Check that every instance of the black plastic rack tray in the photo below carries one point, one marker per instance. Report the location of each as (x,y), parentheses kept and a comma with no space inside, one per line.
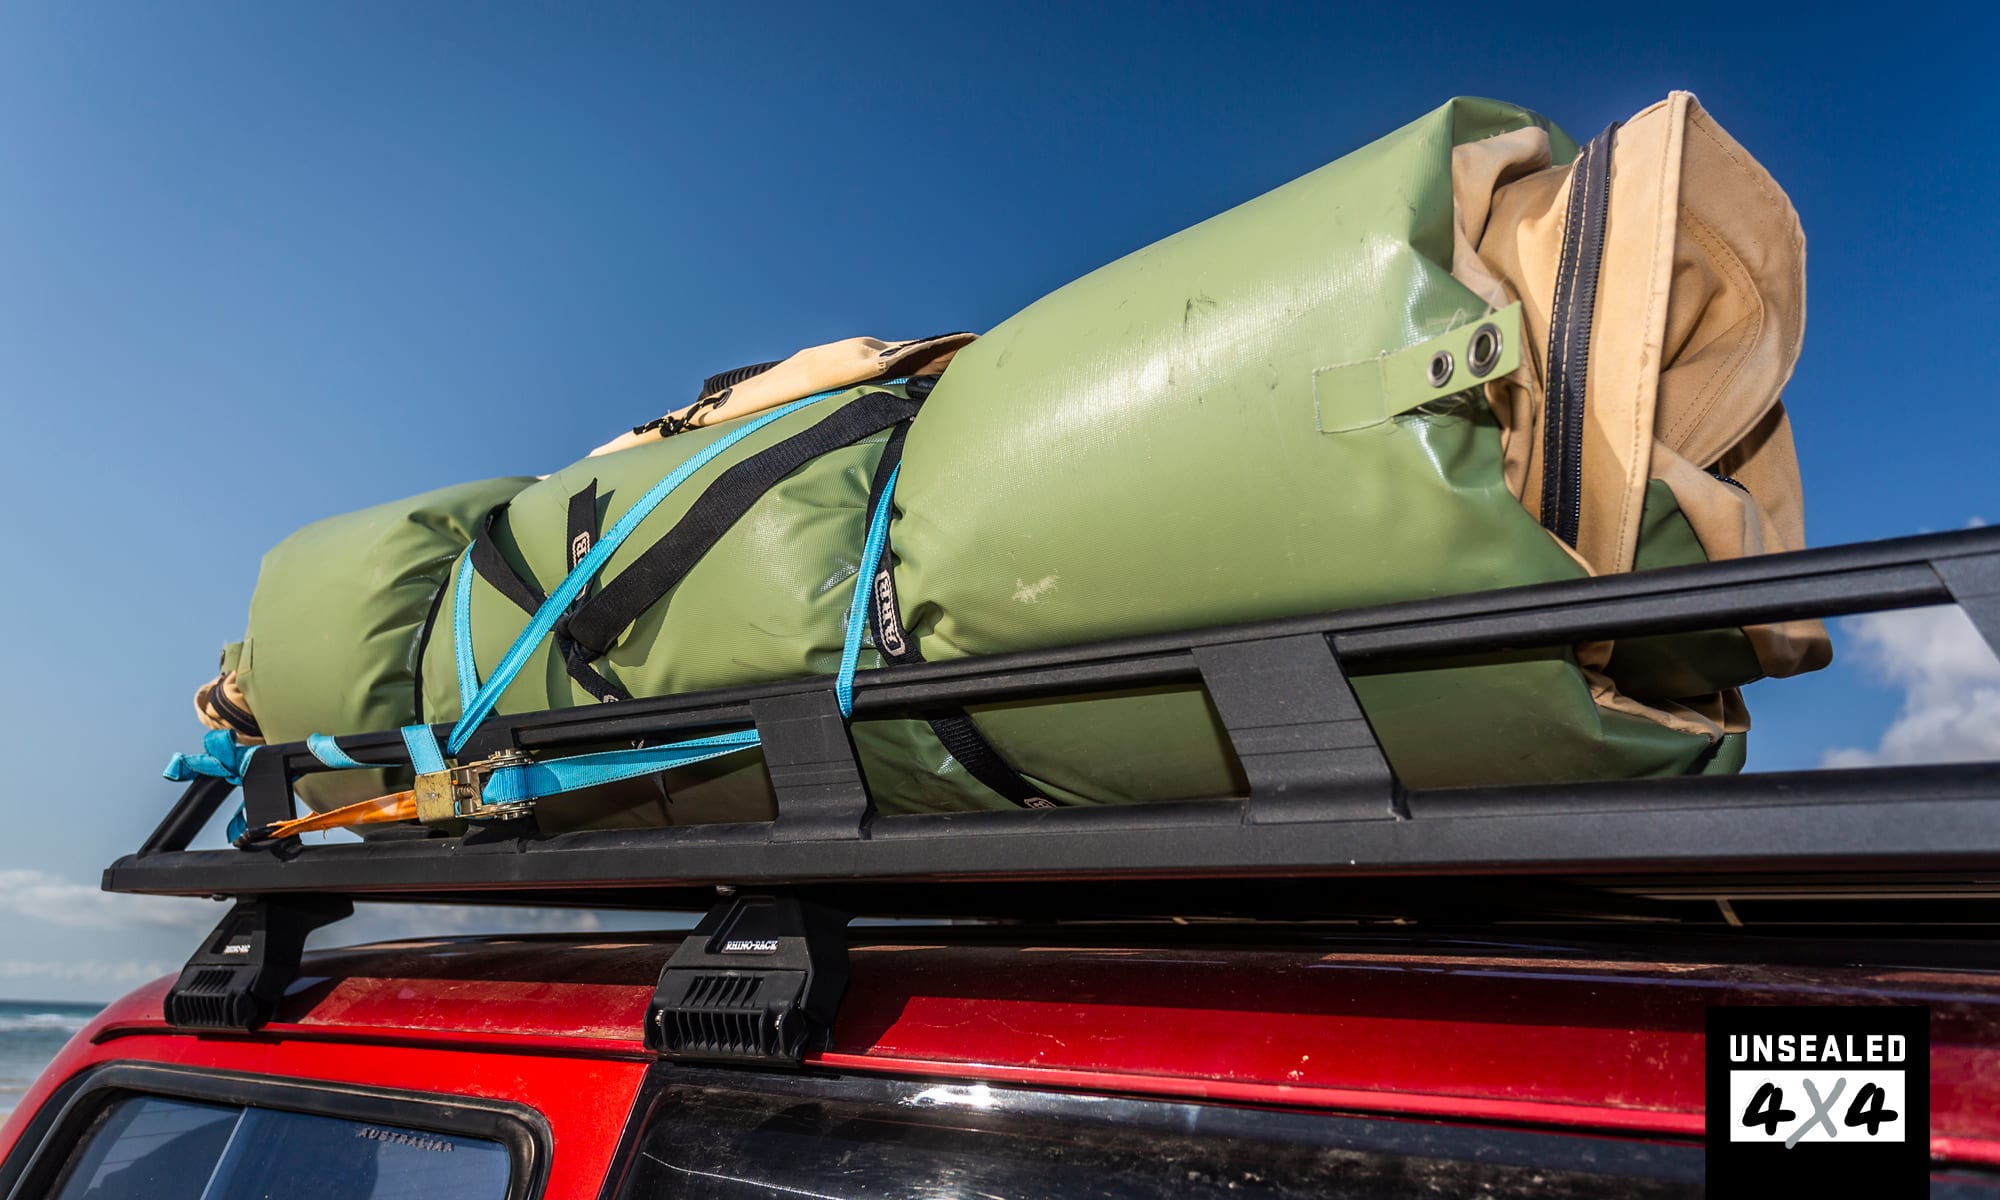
(1321,801)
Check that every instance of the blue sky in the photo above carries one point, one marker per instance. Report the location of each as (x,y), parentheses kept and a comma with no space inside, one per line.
(263,263)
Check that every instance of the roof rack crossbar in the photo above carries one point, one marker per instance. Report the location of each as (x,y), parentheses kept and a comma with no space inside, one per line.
(1306,747)
(1975,583)
(814,773)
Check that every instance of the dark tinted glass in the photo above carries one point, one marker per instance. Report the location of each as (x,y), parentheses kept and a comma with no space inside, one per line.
(297,1156)
(154,1148)
(837,1140)
(149,1148)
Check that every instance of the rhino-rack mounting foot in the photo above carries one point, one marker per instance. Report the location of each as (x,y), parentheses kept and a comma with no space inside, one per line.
(235,980)
(757,981)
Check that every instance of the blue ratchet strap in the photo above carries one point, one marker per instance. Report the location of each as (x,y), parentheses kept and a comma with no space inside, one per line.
(329,753)
(864,582)
(573,584)
(510,785)
(461,636)
(425,757)
(221,758)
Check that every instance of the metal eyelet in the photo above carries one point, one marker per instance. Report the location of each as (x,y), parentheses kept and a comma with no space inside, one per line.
(1440,369)
(1484,353)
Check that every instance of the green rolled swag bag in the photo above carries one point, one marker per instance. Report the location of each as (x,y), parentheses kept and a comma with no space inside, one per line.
(1468,356)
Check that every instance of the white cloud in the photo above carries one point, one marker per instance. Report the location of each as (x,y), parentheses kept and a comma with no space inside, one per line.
(49,898)
(1950,682)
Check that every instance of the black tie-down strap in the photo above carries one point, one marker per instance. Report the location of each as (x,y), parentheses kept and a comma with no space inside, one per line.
(596,621)
(599,623)
(499,574)
(961,738)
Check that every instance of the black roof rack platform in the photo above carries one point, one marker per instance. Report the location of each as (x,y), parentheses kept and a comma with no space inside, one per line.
(1322,801)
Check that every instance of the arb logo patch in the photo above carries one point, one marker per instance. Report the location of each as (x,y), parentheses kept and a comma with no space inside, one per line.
(888,622)
(1829,1100)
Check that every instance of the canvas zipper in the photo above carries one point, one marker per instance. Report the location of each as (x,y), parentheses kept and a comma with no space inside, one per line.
(1569,337)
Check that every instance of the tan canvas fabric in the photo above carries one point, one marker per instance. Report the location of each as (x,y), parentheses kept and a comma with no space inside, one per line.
(1510,204)
(815,369)
(1731,524)
(211,716)
(1679,716)
(1699,317)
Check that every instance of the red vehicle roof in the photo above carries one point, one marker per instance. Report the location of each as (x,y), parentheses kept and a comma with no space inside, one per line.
(1543,1034)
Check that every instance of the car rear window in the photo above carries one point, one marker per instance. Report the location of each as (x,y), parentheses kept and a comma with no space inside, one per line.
(708,1136)
(161,1148)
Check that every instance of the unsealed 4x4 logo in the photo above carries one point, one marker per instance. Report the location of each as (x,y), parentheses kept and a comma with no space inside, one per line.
(1832,1101)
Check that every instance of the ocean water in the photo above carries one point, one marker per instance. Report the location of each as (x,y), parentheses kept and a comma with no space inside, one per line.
(31,1031)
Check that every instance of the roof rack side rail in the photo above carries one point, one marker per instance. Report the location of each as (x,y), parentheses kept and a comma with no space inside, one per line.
(1318,783)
